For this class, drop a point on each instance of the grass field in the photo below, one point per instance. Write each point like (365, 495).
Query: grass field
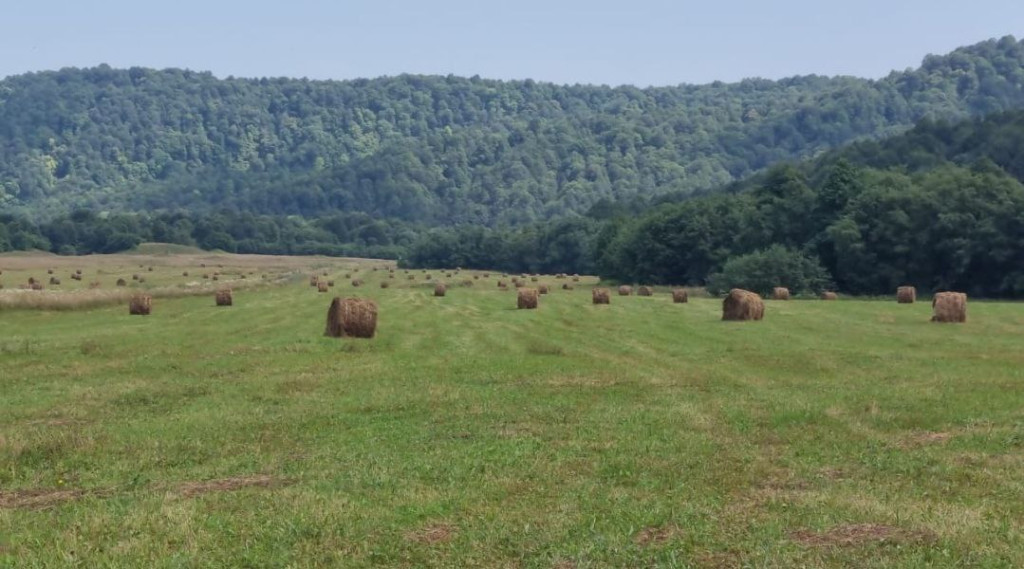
(472, 434)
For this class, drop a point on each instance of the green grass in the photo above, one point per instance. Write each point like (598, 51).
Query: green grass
(471, 434)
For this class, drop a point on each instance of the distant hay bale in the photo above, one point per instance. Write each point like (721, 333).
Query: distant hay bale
(567, 286)
(476, 277)
(560, 276)
(78, 271)
(575, 278)
(467, 283)
(121, 282)
(348, 276)
(135, 277)
(528, 298)
(391, 275)
(31, 281)
(828, 295)
(601, 296)
(625, 290)
(76, 277)
(54, 281)
(357, 282)
(502, 284)
(95, 284)
(203, 265)
(184, 273)
(906, 295)
(680, 296)
(440, 289)
(140, 305)
(384, 284)
(223, 297)
(543, 289)
(487, 275)
(49, 271)
(949, 307)
(313, 280)
(325, 273)
(412, 277)
(742, 305)
(780, 293)
(427, 277)
(322, 286)
(216, 277)
(449, 275)
(533, 279)
(150, 269)
(645, 291)
(36, 286)
(206, 276)
(351, 318)
(330, 284)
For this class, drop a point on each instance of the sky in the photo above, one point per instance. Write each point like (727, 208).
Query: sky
(638, 42)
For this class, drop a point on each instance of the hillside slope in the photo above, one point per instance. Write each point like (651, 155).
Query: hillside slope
(440, 150)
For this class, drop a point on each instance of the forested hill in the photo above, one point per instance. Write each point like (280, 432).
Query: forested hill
(442, 150)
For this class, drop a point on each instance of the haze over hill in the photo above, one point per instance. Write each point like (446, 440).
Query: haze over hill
(442, 150)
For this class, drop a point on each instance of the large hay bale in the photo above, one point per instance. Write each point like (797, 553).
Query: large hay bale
(54, 281)
(906, 295)
(351, 318)
(528, 298)
(121, 282)
(567, 286)
(742, 305)
(384, 284)
(543, 289)
(440, 289)
(829, 295)
(140, 305)
(645, 291)
(601, 296)
(680, 296)
(949, 307)
(780, 293)
(625, 290)
(575, 278)
(322, 286)
(223, 297)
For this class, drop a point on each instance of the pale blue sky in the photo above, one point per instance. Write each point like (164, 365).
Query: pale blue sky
(640, 42)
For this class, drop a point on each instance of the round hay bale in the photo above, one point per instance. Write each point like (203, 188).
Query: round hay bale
(384, 284)
(357, 282)
(330, 284)
(502, 284)
(449, 275)
(184, 273)
(645, 291)
(78, 271)
(223, 297)
(49, 271)
(391, 275)
(135, 277)
(36, 286)
(487, 275)
(533, 279)
(140, 305)
(575, 278)
(321, 286)
(467, 283)
(216, 277)
(348, 276)
(351, 318)
(121, 282)
(54, 281)
(427, 277)
(906, 295)
(205, 276)
(412, 277)
(476, 277)
(440, 289)
(780, 293)
(742, 305)
(150, 269)
(528, 298)
(31, 281)
(829, 295)
(567, 286)
(203, 265)
(543, 289)
(625, 290)
(949, 307)
(680, 296)
(313, 280)
(601, 296)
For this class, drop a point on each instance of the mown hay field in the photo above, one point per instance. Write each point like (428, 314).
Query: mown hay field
(469, 433)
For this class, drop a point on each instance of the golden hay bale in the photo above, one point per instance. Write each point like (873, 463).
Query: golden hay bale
(601, 296)
(440, 289)
(543, 289)
(680, 296)
(645, 291)
(780, 293)
(502, 284)
(140, 304)
(528, 298)
(313, 280)
(54, 281)
(575, 278)
(357, 282)
(742, 305)
(384, 284)
(351, 318)
(625, 290)
(829, 295)
(321, 286)
(427, 277)
(330, 283)
(121, 282)
(567, 286)
(223, 297)
(949, 307)
(906, 295)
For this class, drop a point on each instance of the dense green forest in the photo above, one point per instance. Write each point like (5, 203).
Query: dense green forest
(940, 207)
(441, 150)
